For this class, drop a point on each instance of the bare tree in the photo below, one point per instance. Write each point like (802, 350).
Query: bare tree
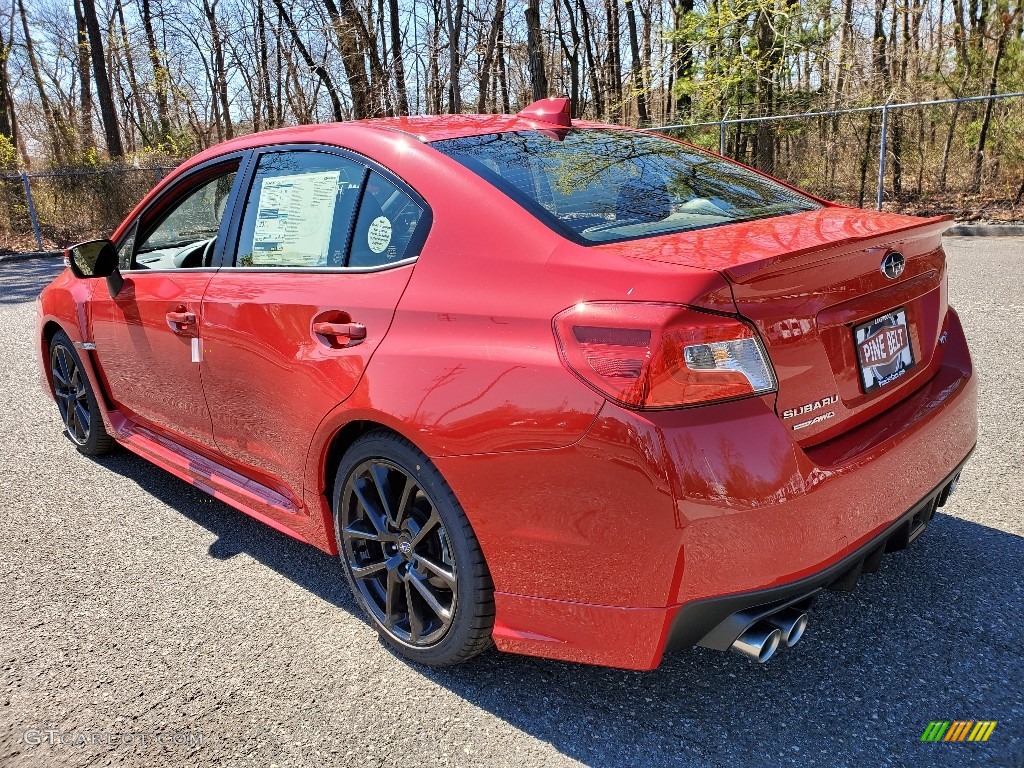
(111, 128)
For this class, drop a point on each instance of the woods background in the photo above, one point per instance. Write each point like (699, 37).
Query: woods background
(104, 85)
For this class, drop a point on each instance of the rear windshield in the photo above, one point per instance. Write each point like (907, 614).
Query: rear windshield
(600, 186)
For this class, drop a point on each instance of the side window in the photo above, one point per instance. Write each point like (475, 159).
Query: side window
(300, 210)
(185, 235)
(126, 250)
(385, 226)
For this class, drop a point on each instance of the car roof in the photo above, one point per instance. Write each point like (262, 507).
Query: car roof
(428, 128)
(423, 128)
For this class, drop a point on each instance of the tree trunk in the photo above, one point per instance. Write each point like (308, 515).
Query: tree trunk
(219, 70)
(454, 20)
(160, 77)
(592, 69)
(263, 77)
(639, 84)
(764, 139)
(145, 120)
(434, 70)
(320, 69)
(99, 69)
(506, 106)
(86, 138)
(346, 23)
(572, 55)
(398, 66)
(54, 123)
(497, 24)
(613, 60)
(682, 53)
(535, 51)
(6, 111)
(979, 154)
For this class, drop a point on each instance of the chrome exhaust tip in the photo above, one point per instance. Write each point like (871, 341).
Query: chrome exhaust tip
(791, 623)
(759, 642)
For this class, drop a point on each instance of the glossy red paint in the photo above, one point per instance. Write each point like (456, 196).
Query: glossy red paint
(146, 362)
(459, 357)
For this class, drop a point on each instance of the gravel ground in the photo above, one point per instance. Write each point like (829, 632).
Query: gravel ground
(137, 605)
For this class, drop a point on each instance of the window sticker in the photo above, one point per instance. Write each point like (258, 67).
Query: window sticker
(294, 219)
(378, 236)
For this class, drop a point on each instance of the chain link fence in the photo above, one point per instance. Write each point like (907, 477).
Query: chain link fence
(919, 158)
(57, 208)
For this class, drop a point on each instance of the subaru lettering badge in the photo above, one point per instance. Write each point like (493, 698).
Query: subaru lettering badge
(893, 264)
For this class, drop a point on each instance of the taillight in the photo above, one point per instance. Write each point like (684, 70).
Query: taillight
(662, 355)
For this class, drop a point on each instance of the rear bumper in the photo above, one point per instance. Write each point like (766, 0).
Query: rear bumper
(717, 622)
(654, 528)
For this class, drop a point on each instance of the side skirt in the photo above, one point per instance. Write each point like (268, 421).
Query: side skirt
(256, 500)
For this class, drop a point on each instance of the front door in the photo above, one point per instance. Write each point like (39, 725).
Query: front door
(148, 337)
(290, 327)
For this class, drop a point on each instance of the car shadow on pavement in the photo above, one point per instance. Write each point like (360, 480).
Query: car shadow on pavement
(934, 635)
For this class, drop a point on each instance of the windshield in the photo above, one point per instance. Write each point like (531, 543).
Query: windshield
(599, 186)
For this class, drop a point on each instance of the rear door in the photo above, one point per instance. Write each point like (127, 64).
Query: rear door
(324, 249)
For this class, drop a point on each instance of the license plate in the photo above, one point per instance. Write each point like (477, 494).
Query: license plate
(883, 349)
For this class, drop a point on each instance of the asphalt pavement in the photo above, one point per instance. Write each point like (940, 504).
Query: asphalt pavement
(145, 624)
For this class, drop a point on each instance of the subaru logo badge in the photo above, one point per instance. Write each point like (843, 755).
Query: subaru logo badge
(893, 264)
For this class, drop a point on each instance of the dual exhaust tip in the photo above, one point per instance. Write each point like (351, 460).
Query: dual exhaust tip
(761, 641)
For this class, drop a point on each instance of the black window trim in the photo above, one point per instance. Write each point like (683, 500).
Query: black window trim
(173, 189)
(223, 260)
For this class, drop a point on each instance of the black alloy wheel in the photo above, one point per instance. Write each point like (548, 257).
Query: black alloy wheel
(75, 399)
(410, 555)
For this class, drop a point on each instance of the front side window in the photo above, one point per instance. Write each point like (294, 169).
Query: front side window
(300, 210)
(185, 235)
(599, 186)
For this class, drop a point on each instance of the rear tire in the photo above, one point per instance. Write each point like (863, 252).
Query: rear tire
(411, 557)
(76, 402)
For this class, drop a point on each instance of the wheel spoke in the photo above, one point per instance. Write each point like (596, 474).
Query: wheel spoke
(437, 570)
(82, 420)
(376, 517)
(354, 533)
(70, 418)
(366, 571)
(415, 620)
(379, 473)
(62, 362)
(432, 521)
(59, 382)
(391, 592)
(408, 494)
(423, 587)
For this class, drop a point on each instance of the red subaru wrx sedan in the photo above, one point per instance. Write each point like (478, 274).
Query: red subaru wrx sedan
(576, 390)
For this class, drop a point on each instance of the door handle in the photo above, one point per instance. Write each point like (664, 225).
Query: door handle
(353, 331)
(182, 322)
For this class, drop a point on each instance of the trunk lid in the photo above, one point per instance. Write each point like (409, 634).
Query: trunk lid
(810, 282)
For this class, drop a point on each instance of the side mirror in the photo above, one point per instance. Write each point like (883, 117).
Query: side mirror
(95, 258)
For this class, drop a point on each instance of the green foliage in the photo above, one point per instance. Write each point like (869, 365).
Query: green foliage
(8, 154)
(740, 46)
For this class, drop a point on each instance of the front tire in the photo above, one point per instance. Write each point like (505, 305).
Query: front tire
(76, 401)
(411, 557)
